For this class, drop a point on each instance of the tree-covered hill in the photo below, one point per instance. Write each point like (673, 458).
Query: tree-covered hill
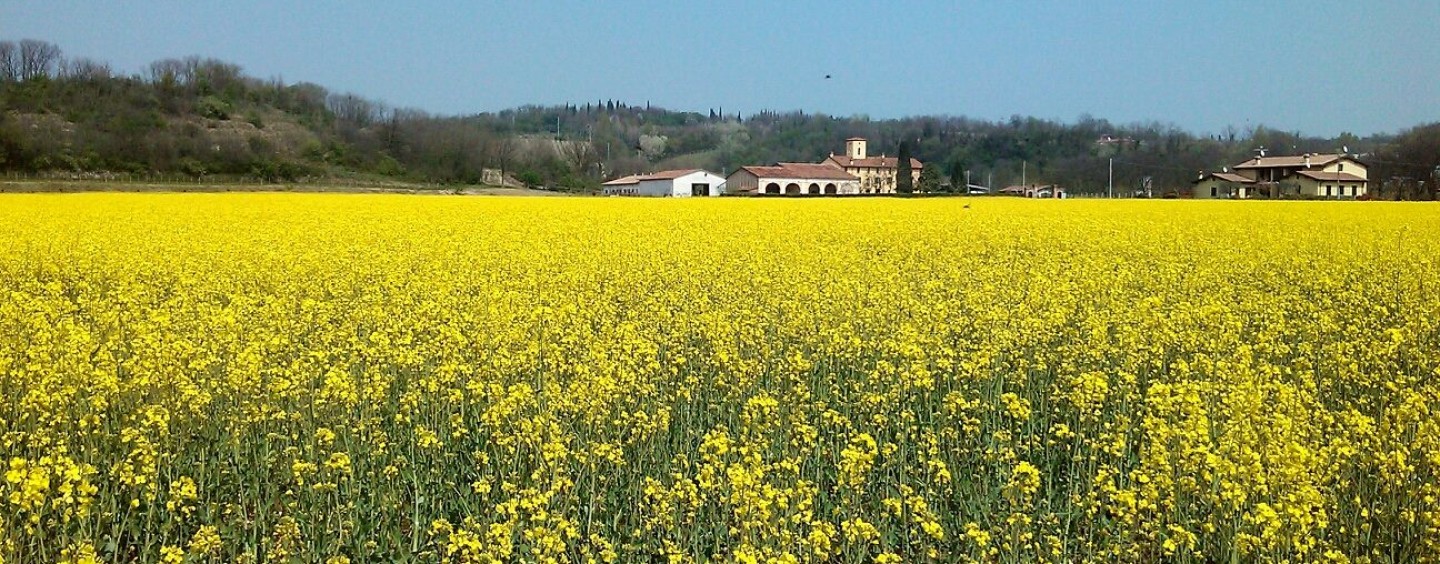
(207, 118)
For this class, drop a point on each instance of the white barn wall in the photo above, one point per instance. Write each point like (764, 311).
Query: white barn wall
(678, 187)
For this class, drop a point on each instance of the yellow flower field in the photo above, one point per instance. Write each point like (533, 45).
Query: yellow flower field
(354, 378)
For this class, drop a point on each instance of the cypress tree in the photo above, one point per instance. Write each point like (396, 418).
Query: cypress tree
(904, 181)
(957, 177)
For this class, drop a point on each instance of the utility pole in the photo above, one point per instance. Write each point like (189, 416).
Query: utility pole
(1023, 166)
(1112, 177)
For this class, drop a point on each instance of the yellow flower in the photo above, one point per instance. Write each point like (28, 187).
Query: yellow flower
(171, 555)
(206, 541)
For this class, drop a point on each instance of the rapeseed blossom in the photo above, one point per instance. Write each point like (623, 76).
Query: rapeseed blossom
(334, 378)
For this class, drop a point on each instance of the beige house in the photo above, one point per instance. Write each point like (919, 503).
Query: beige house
(876, 174)
(1308, 175)
(1222, 185)
(792, 179)
(1326, 184)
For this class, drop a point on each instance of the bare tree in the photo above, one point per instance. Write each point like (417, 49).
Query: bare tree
(165, 72)
(503, 150)
(37, 58)
(84, 68)
(9, 61)
(352, 109)
(582, 157)
(213, 75)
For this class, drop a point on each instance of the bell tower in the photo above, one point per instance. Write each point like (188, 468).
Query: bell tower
(855, 147)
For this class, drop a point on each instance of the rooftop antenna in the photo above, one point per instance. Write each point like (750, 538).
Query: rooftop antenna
(1261, 151)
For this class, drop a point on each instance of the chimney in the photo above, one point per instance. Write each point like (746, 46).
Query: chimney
(1307, 160)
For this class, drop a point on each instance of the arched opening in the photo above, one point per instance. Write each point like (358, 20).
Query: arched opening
(792, 188)
(772, 188)
(814, 188)
(830, 188)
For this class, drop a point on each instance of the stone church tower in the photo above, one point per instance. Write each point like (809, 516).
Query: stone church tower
(855, 147)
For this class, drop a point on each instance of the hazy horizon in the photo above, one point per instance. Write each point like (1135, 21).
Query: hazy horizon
(1320, 68)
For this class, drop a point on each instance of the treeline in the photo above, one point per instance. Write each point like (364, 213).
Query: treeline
(205, 117)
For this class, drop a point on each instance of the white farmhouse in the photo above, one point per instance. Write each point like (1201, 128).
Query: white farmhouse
(794, 179)
(673, 183)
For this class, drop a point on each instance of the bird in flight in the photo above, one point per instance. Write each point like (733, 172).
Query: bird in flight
(827, 77)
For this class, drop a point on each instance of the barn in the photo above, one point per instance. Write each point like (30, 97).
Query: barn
(794, 179)
(672, 183)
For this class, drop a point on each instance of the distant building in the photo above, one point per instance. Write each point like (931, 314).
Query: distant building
(673, 183)
(1108, 139)
(1035, 191)
(1222, 185)
(793, 179)
(876, 174)
(1312, 175)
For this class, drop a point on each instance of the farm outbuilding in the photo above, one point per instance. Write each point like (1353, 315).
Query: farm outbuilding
(794, 179)
(672, 183)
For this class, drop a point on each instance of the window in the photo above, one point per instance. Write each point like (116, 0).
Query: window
(1213, 191)
(1342, 167)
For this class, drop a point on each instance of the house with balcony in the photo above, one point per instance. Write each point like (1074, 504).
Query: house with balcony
(1312, 175)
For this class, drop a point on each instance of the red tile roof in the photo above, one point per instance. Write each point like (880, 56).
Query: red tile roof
(670, 174)
(661, 175)
(1330, 176)
(873, 162)
(632, 179)
(808, 171)
(1289, 162)
(1227, 177)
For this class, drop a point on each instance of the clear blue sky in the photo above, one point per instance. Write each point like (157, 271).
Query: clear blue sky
(1320, 66)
